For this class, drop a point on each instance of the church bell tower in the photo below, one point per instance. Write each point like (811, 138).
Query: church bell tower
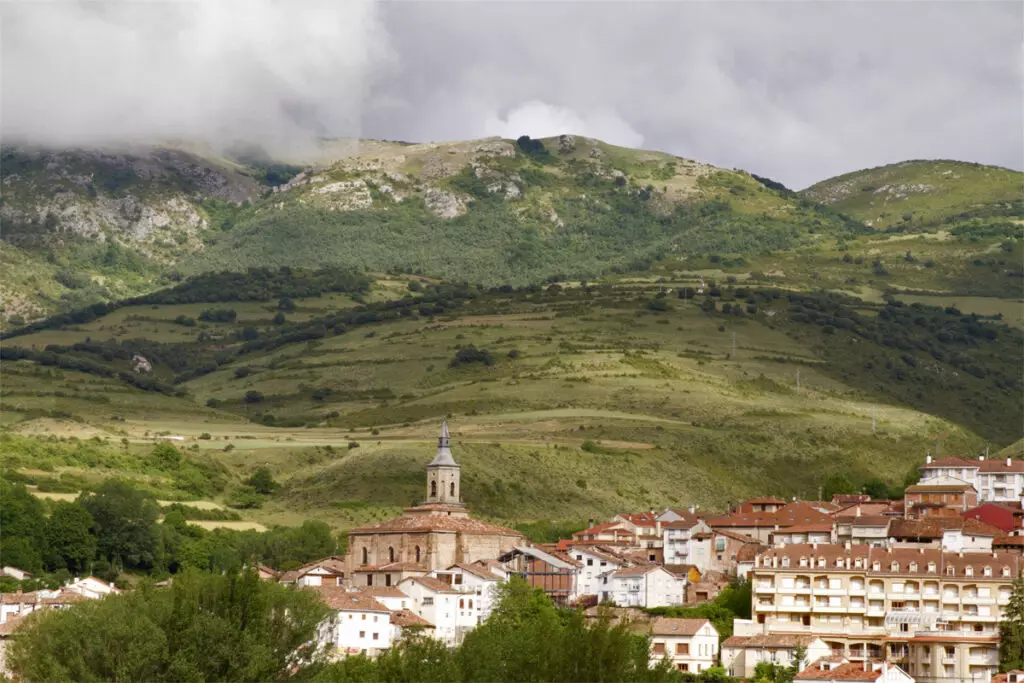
(443, 486)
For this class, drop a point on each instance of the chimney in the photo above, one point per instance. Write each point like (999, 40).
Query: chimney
(693, 508)
(590, 523)
(1008, 460)
(981, 457)
(928, 460)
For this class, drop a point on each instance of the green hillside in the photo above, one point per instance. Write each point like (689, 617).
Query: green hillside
(567, 402)
(927, 195)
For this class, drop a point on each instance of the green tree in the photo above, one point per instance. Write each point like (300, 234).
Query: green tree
(262, 481)
(167, 456)
(22, 522)
(69, 541)
(836, 484)
(877, 489)
(213, 627)
(1011, 630)
(124, 521)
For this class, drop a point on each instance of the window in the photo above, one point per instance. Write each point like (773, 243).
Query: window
(375, 636)
(433, 489)
(462, 603)
(364, 617)
(579, 558)
(876, 566)
(968, 570)
(366, 556)
(391, 554)
(785, 561)
(803, 561)
(659, 648)
(682, 648)
(913, 566)
(362, 634)
(988, 571)
(950, 571)
(369, 579)
(387, 579)
(428, 601)
(451, 491)
(719, 544)
(1006, 571)
(931, 567)
(683, 667)
(417, 554)
(894, 566)
(821, 561)
(590, 562)
(471, 603)
(375, 618)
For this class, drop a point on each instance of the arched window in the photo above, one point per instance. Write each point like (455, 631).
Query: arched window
(433, 489)
(417, 553)
(366, 556)
(451, 490)
(391, 554)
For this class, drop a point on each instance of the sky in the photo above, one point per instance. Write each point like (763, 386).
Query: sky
(797, 91)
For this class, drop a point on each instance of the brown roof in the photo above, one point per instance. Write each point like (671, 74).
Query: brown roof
(1008, 542)
(441, 523)
(904, 557)
(950, 462)
(645, 519)
(769, 640)
(333, 564)
(342, 599)
(869, 520)
(765, 501)
(748, 552)
(850, 671)
(665, 626)
(598, 552)
(475, 570)
(798, 512)
(382, 592)
(635, 571)
(680, 569)
(743, 538)
(436, 585)
(36, 598)
(1001, 466)
(12, 624)
(403, 618)
(933, 527)
(939, 488)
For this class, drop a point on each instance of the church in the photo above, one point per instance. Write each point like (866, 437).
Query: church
(434, 535)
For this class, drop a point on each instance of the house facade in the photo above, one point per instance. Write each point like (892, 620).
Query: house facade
(643, 586)
(690, 645)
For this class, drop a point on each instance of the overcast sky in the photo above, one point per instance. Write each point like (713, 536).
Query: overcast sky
(798, 91)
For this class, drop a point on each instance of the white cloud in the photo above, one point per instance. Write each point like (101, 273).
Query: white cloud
(540, 120)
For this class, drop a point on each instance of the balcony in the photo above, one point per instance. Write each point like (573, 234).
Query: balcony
(760, 588)
(854, 607)
(830, 609)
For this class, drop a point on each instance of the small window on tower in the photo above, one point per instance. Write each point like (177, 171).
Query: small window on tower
(452, 490)
(417, 553)
(433, 489)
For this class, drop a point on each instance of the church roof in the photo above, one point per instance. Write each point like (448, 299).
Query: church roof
(444, 454)
(442, 523)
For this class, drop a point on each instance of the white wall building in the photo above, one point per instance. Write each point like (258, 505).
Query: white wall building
(593, 564)
(996, 480)
(447, 608)
(643, 586)
(677, 535)
(359, 624)
(479, 586)
(689, 644)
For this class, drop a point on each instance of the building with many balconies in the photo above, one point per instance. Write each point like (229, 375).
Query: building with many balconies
(934, 613)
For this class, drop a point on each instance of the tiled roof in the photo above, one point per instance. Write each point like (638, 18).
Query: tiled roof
(798, 512)
(904, 557)
(1008, 542)
(769, 640)
(635, 571)
(765, 501)
(12, 624)
(665, 626)
(850, 671)
(598, 552)
(334, 565)
(869, 520)
(64, 597)
(997, 466)
(644, 519)
(742, 538)
(680, 569)
(748, 552)
(475, 570)
(403, 618)
(939, 488)
(820, 527)
(444, 523)
(950, 462)
(433, 584)
(342, 599)
(382, 592)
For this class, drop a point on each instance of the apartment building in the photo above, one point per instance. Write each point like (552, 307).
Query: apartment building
(939, 497)
(995, 480)
(933, 613)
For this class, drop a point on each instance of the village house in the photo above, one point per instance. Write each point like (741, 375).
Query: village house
(431, 536)
(91, 587)
(594, 560)
(836, 669)
(642, 586)
(821, 532)
(707, 587)
(720, 550)
(952, 534)
(760, 517)
(476, 582)
(555, 575)
(934, 613)
(995, 480)
(359, 624)
(939, 497)
(743, 651)
(15, 573)
(1008, 544)
(329, 571)
(444, 606)
(676, 539)
(689, 645)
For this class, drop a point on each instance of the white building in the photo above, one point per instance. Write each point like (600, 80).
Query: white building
(91, 587)
(15, 573)
(359, 624)
(452, 612)
(689, 644)
(743, 651)
(478, 585)
(677, 535)
(329, 571)
(643, 586)
(995, 480)
(594, 562)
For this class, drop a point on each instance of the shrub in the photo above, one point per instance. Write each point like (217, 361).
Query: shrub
(471, 354)
(253, 397)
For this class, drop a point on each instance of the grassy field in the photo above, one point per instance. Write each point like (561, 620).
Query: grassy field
(593, 403)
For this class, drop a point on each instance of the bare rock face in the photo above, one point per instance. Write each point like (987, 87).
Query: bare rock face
(345, 195)
(444, 204)
(496, 148)
(566, 144)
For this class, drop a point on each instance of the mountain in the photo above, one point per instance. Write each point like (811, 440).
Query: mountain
(925, 195)
(86, 226)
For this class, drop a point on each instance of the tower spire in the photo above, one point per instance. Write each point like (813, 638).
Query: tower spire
(443, 473)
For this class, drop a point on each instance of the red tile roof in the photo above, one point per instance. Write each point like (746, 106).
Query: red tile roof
(850, 671)
(475, 570)
(440, 523)
(1008, 542)
(665, 626)
(764, 501)
(341, 599)
(990, 466)
(382, 592)
(403, 618)
(949, 462)
(769, 640)
(790, 515)
(433, 584)
(820, 527)
(11, 625)
(939, 488)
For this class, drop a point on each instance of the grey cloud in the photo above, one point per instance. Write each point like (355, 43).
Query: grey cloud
(795, 90)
